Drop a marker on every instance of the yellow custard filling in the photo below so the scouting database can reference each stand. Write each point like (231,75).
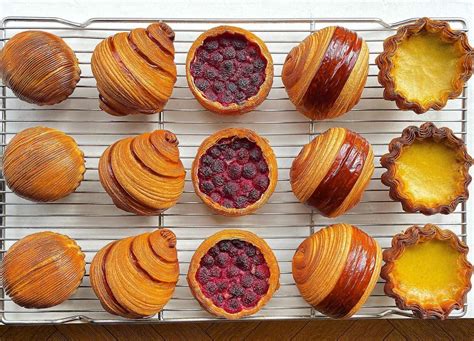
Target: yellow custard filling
(428,272)
(430,172)
(425,68)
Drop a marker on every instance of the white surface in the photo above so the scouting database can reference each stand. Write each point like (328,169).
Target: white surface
(390,11)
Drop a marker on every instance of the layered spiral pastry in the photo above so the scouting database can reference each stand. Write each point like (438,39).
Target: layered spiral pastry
(235,171)
(336,269)
(135,277)
(143,174)
(229,70)
(331,172)
(135,71)
(325,74)
(233,274)
(43,164)
(42,270)
(39,67)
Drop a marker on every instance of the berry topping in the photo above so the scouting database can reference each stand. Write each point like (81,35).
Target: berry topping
(258,259)
(228,277)
(233,173)
(219,86)
(229,58)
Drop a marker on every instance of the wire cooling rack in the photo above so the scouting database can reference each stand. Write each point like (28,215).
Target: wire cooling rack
(89,216)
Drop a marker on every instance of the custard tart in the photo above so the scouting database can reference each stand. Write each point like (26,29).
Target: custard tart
(39,67)
(235,171)
(331,172)
(43,164)
(233,274)
(427,169)
(136,276)
(427,271)
(424,64)
(42,270)
(336,269)
(229,70)
(325,74)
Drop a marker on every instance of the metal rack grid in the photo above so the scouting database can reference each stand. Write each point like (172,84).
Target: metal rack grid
(90,217)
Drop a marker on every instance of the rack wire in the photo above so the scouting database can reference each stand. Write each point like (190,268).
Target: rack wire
(90,217)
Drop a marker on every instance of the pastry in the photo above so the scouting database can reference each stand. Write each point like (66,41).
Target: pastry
(234,172)
(426,270)
(325,74)
(331,172)
(42,270)
(43,164)
(427,169)
(233,274)
(424,64)
(135,71)
(229,70)
(336,269)
(39,67)
(136,276)
(143,174)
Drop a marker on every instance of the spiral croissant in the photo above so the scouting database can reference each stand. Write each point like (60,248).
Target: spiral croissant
(136,276)
(331,172)
(336,269)
(39,67)
(325,74)
(135,71)
(143,174)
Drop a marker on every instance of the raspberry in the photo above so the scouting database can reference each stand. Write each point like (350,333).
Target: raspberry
(227,68)
(252,51)
(205,172)
(255,154)
(262,272)
(211,287)
(223,285)
(207,261)
(203,275)
(254,195)
(256,79)
(232,271)
(250,250)
(259,64)
(241,202)
(224,41)
(261,182)
(203,55)
(196,69)
(243,83)
(242,156)
(233,251)
(218,300)
(248,69)
(216,197)
(234,171)
(229,153)
(251,91)
(239,44)
(216,272)
(218,166)
(241,56)
(229,52)
(240,96)
(258,259)
(232,87)
(210,94)
(216,58)
(226,97)
(214,251)
(224,245)
(207,159)
(243,262)
(230,189)
(233,305)
(249,299)
(202,84)
(236,144)
(238,243)
(247,280)
(219,86)
(222,259)
(236,290)
(211,45)
(210,73)
(228,203)
(249,171)
(246,144)
(218,180)
(260,287)
(262,166)
(246,186)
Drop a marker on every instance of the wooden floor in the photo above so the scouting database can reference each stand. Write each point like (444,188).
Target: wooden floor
(454,330)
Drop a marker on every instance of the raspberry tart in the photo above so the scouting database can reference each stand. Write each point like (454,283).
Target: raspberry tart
(229,70)
(233,274)
(235,171)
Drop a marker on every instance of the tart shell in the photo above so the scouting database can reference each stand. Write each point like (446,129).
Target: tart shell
(206,303)
(385,63)
(268,155)
(413,236)
(234,108)
(410,135)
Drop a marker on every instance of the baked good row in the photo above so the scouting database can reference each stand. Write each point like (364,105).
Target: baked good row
(235,170)
(234,273)
(230,70)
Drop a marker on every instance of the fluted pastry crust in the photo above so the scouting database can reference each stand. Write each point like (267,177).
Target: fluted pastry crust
(336,269)
(398,188)
(43,164)
(39,67)
(135,71)
(325,74)
(423,307)
(42,270)
(234,108)
(387,62)
(267,154)
(135,277)
(331,172)
(143,174)
(260,244)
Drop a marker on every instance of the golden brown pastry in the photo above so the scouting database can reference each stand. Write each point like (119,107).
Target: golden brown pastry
(325,74)
(336,269)
(135,277)
(427,169)
(424,64)
(42,270)
(233,274)
(235,171)
(143,174)
(426,270)
(135,71)
(39,67)
(331,172)
(43,164)
(229,70)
